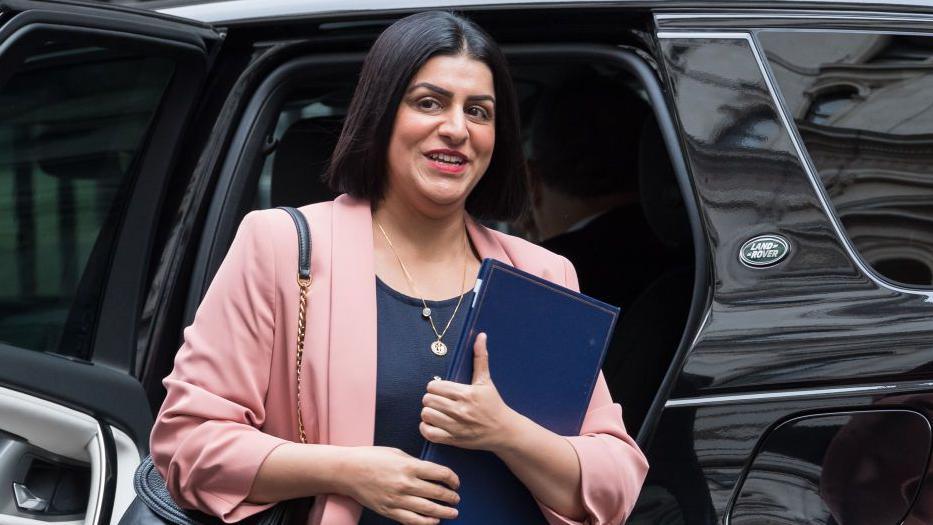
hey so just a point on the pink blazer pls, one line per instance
(231, 395)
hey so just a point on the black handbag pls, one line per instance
(154, 505)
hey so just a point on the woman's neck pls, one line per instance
(434, 249)
(427, 238)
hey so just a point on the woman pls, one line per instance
(430, 143)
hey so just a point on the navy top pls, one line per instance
(405, 365)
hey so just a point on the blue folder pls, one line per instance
(546, 345)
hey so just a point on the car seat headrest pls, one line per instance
(659, 192)
(301, 158)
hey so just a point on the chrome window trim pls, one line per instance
(792, 394)
(234, 11)
(927, 33)
(802, 154)
(693, 34)
(778, 15)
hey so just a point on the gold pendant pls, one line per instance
(439, 348)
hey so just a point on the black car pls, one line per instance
(775, 358)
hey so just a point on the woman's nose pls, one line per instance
(454, 126)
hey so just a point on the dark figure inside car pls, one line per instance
(601, 200)
(585, 186)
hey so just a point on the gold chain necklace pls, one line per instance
(438, 346)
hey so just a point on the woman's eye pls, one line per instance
(479, 112)
(428, 104)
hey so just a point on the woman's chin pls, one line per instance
(445, 194)
(446, 200)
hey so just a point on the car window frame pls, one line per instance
(114, 344)
(102, 391)
(746, 25)
(800, 146)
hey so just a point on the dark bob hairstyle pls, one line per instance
(359, 165)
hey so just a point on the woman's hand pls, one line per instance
(470, 416)
(400, 487)
(475, 416)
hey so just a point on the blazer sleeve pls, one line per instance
(206, 441)
(612, 466)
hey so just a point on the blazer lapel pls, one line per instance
(352, 365)
(485, 242)
(352, 379)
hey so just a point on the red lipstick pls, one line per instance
(447, 160)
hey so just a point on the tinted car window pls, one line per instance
(72, 119)
(856, 468)
(863, 104)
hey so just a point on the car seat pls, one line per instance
(650, 329)
(301, 157)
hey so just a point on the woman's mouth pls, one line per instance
(447, 162)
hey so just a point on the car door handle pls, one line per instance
(26, 500)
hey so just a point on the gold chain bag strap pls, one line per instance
(304, 283)
(155, 506)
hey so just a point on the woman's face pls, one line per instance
(444, 133)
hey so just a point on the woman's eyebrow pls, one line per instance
(437, 89)
(445, 93)
(476, 98)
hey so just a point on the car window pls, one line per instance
(72, 119)
(863, 104)
(857, 468)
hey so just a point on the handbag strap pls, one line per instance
(304, 282)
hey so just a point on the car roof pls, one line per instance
(235, 11)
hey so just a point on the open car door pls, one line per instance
(93, 103)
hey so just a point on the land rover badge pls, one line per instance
(764, 250)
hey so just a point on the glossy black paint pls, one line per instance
(816, 320)
(863, 119)
(693, 479)
(855, 467)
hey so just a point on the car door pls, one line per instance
(805, 397)
(93, 104)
